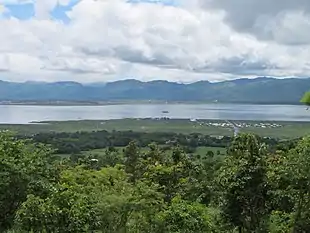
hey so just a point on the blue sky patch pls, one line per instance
(26, 11)
(21, 11)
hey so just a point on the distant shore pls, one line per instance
(128, 102)
(274, 129)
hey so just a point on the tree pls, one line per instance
(88, 200)
(172, 174)
(63, 211)
(132, 158)
(25, 169)
(185, 217)
(280, 222)
(242, 183)
(290, 176)
(306, 98)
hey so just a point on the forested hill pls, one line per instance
(259, 90)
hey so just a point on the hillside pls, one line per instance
(259, 90)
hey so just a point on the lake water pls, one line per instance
(12, 114)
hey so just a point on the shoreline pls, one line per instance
(162, 119)
(109, 103)
(274, 129)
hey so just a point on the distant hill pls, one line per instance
(259, 90)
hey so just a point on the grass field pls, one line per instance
(210, 127)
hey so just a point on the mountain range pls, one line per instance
(262, 90)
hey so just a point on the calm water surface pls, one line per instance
(11, 114)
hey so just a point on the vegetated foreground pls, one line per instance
(284, 130)
(155, 175)
(257, 185)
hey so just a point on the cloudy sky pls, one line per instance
(177, 40)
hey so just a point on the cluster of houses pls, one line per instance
(228, 124)
(242, 124)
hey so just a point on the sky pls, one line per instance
(175, 40)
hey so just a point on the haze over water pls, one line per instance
(12, 114)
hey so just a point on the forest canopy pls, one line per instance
(250, 189)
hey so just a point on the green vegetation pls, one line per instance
(260, 186)
(97, 142)
(306, 98)
(99, 153)
(209, 127)
(80, 144)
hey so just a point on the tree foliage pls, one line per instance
(25, 169)
(254, 188)
(290, 176)
(306, 98)
(242, 181)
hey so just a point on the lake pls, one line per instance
(22, 114)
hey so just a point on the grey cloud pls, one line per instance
(73, 70)
(133, 56)
(239, 66)
(78, 67)
(236, 65)
(265, 18)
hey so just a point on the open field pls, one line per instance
(209, 127)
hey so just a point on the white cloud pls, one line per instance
(112, 39)
(267, 20)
